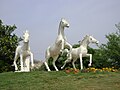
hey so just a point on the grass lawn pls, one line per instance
(43, 80)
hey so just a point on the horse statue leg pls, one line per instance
(47, 57)
(31, 57)
(62, 46)
(73, 63)
(70, 46)
(21, 62)
(65, 63)
(69, 57)
(17, 54)
(14, 63)
(90, 59)
(46, 64)
(27, 62)
(54, 59)
(81, 63)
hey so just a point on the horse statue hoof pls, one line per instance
(61, 67)
(89, 65)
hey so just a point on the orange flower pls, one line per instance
(76, 71)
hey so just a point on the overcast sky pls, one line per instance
(42, 17)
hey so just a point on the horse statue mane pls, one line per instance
(84, 38)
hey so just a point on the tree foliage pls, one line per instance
(112, 49)
(8, 44)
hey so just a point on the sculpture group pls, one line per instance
(26, 56)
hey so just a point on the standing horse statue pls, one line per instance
(25, 55)
(58, 47)
(81, 52)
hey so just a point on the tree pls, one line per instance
(8, 44)
(112, 49)
(108, 55)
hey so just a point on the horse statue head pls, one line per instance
(91, 39)
(88, 39)
(64, 23)
(26, 36)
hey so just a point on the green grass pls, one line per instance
(43, 80)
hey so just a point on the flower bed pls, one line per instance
(91, 69)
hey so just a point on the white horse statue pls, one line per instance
(25, 55)
(58, 47)
(81, 52)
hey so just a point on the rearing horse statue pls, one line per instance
(25, 55)
(81, 52)
(58, 47)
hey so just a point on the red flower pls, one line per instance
(67, 71)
